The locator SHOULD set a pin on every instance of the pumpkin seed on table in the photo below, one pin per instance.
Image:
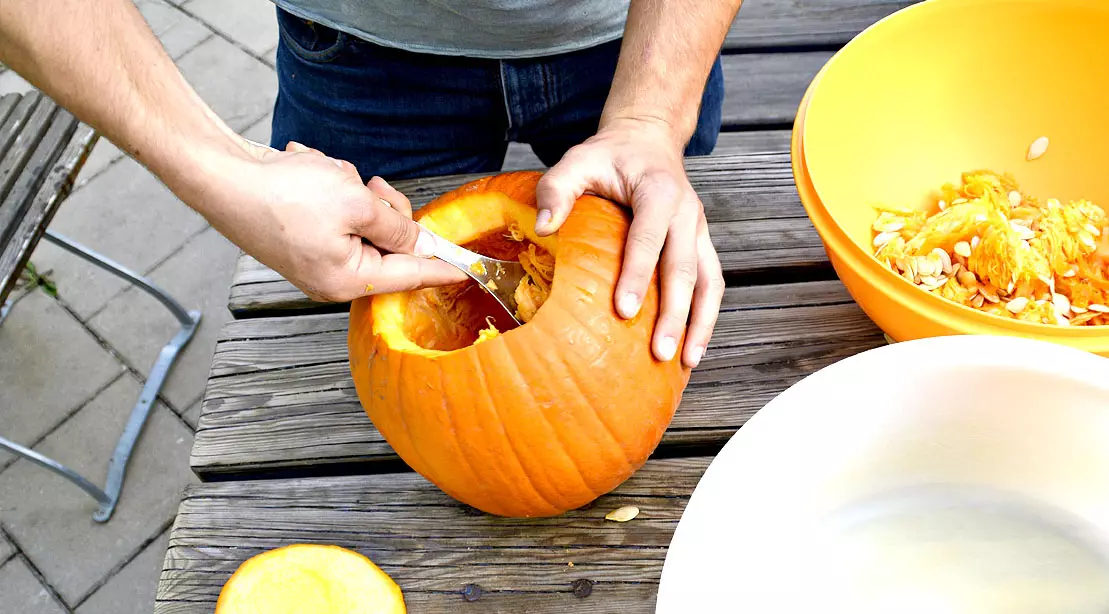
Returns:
(623, 514)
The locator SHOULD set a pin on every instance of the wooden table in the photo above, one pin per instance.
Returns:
(287, 454)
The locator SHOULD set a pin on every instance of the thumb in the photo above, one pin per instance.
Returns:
(390, 230)
(559, 188)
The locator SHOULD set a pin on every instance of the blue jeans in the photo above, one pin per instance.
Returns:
(401, 115)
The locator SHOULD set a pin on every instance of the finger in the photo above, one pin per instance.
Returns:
(654, 206)
(394, 197)
(388, 229)
(401, 272)
(295, 147)
(706, 299)
(679, 277)
(562, 185)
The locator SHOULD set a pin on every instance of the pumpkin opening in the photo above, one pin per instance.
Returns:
(453, 317)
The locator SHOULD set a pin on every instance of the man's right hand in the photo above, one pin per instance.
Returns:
(305, 215)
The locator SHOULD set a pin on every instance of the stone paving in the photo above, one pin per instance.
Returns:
(71, 366)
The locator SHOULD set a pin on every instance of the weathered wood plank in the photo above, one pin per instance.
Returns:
(280, 398)
(763, 24)
(435, 548)
(45, 181)
(765, 89)
(755, 218)
(520, 157)
(20, 134)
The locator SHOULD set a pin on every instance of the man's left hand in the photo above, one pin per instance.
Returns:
(638, 162)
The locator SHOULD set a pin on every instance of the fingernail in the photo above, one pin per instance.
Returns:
(696, 354)
(425, 245)
(667, 347)
(542, 219)
(629, 305)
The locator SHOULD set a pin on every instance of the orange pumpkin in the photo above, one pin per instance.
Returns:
(527, 421)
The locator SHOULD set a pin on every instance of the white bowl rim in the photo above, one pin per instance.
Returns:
(987, 351)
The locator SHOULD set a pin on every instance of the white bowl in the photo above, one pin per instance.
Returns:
(951, 474)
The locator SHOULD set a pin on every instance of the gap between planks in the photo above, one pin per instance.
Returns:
(280, 399)
(433, 546)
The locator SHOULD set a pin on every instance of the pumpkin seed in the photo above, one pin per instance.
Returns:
(944, 258)
(990, 293)
(1061, 302)
(883, 238)
(1015, 198)
(1038, 148)
(1078, 310)
(1023, 231)
(942, 205)
(892, 227)
(962, 248)
(974, 241)
(1017, 305)
(1071, 272)
(978, 300)
(968, 279)
(623, 514)
(1099, 308)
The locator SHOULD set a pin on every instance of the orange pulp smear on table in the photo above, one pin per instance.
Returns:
(987, 245)
(452, 317)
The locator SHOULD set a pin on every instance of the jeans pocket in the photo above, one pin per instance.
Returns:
(310, 41)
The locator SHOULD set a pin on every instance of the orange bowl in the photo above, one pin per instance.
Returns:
(932, 91)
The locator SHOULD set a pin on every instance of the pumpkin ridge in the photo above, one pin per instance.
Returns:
(404, 422)
(558, 439)
(473, 475)
(484, 387)
(585, 402)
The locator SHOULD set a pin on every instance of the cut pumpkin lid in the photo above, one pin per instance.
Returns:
(321, 579)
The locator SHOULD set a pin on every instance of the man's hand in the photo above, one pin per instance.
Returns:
(639, 163)
(298, 211)
(305, 215)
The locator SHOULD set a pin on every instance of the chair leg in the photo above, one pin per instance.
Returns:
(117, 466)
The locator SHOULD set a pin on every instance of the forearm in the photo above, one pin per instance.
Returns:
(99, 60)
(668, 50)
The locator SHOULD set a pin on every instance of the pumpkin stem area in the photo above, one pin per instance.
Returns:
(453, 317)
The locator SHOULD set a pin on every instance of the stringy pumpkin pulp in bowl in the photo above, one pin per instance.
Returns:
(521, 421)
(884, 127)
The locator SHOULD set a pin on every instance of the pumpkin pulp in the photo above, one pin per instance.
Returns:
(433, 321)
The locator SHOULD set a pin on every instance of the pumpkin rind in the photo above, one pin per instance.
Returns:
(543, 418)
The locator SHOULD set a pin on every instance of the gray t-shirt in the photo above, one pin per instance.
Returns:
(477, 28)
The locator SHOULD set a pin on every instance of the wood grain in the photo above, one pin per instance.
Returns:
(765, 89)
(46, 175)
(520, 157)
(280, 399)
(755, 218)
(763, 24)
(437, 550)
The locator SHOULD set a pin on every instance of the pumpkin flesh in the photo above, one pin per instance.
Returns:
(528, 421)
(453, 317)
(321, 579)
